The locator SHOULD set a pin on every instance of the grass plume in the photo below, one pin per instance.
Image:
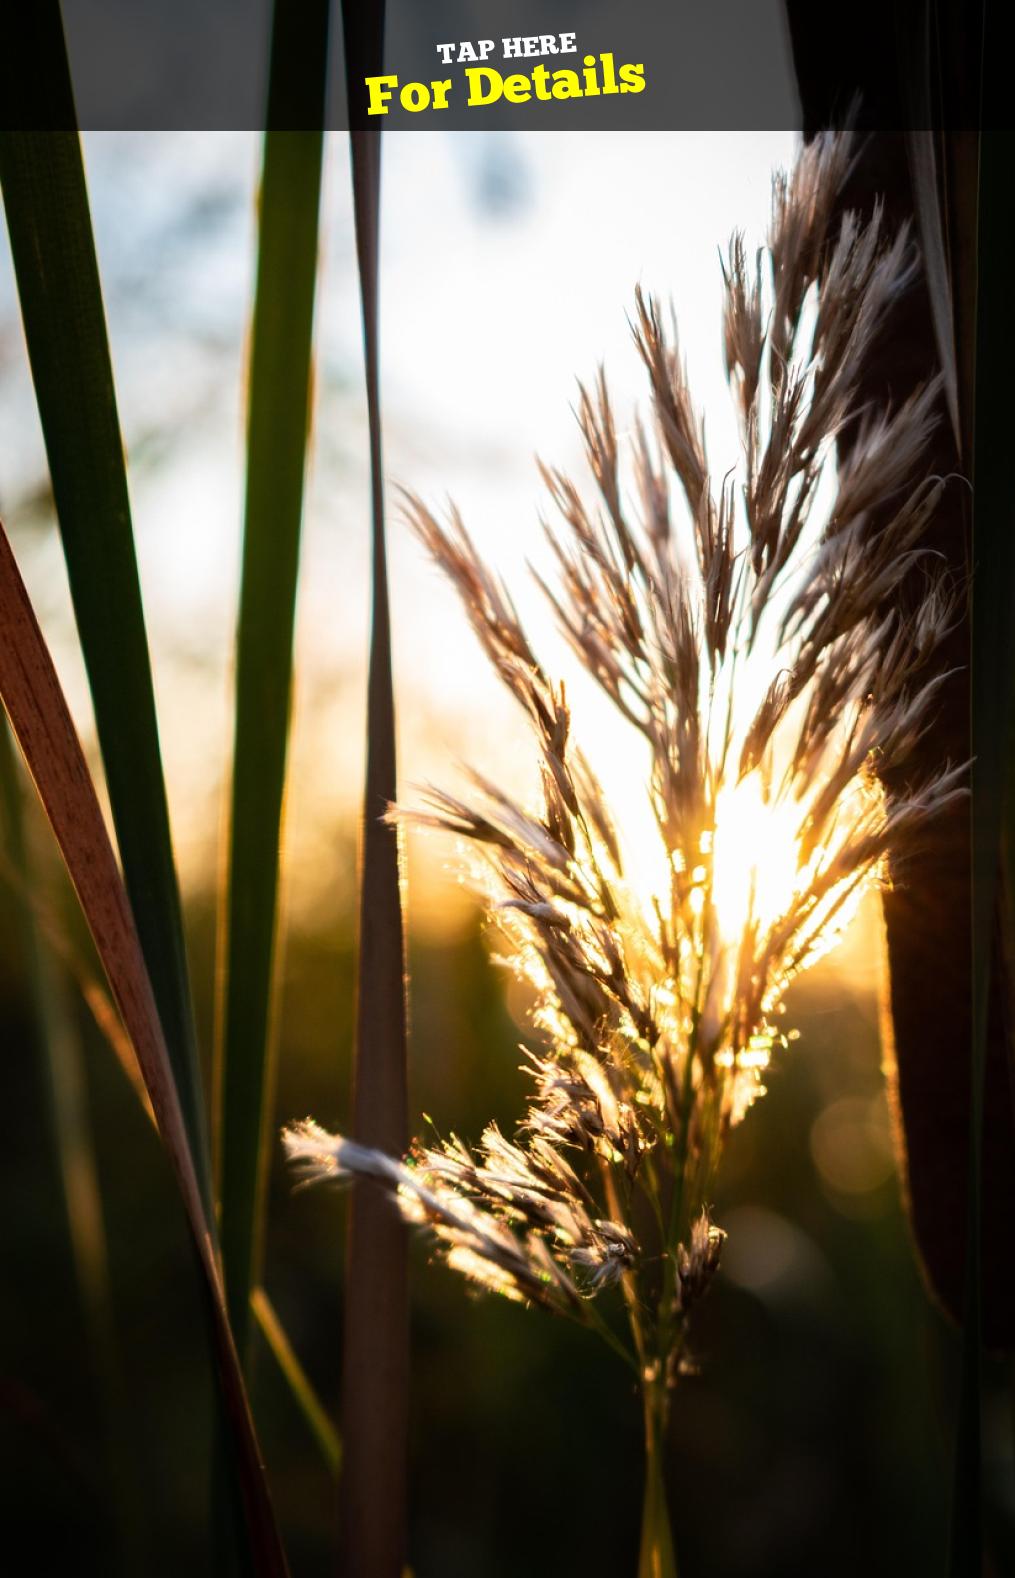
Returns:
(750, 633)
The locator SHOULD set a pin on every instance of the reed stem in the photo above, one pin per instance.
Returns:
(656, 1558)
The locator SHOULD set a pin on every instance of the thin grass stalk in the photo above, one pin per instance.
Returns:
(375, 1365)
(60, 1051)
(40, 718)
(992, 686)
(46, 204)
(376, 1331)
(278, 429)
(300, 1386)
(656, 1556)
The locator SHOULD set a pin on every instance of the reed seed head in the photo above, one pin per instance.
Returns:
(750, 632)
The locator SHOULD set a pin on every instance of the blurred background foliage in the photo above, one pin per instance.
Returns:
(816, 1436)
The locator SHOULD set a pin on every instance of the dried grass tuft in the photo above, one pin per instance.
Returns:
(683, 596)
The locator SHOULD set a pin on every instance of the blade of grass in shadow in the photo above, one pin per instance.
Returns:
(916, 56)
(49, 224)
(278, 420)
(60, 1052)
(94, 995)
(927, 998)
(926, 201)
(42, 724)
(376, 1336)
(53, 938)
(947, 993)
(299, 1383)
(991, 682)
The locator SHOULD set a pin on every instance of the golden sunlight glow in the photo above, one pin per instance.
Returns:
(755, 857)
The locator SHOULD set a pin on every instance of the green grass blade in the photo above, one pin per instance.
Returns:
(48, 220)
(278, 421)
(376, 1335)
(306, 1398)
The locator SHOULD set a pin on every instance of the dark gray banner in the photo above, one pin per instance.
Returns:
(663, 65)
(463, 64)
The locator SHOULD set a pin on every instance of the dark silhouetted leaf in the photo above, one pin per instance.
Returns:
(949, 1046)
(376, 1355)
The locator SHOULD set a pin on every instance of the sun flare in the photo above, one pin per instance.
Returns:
(755, 857)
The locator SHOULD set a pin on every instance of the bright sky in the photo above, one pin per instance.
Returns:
(509, 264)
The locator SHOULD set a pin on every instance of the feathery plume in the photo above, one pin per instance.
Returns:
(684, 599)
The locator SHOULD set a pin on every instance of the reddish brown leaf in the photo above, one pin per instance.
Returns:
(376, 1338)
(42, 724)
